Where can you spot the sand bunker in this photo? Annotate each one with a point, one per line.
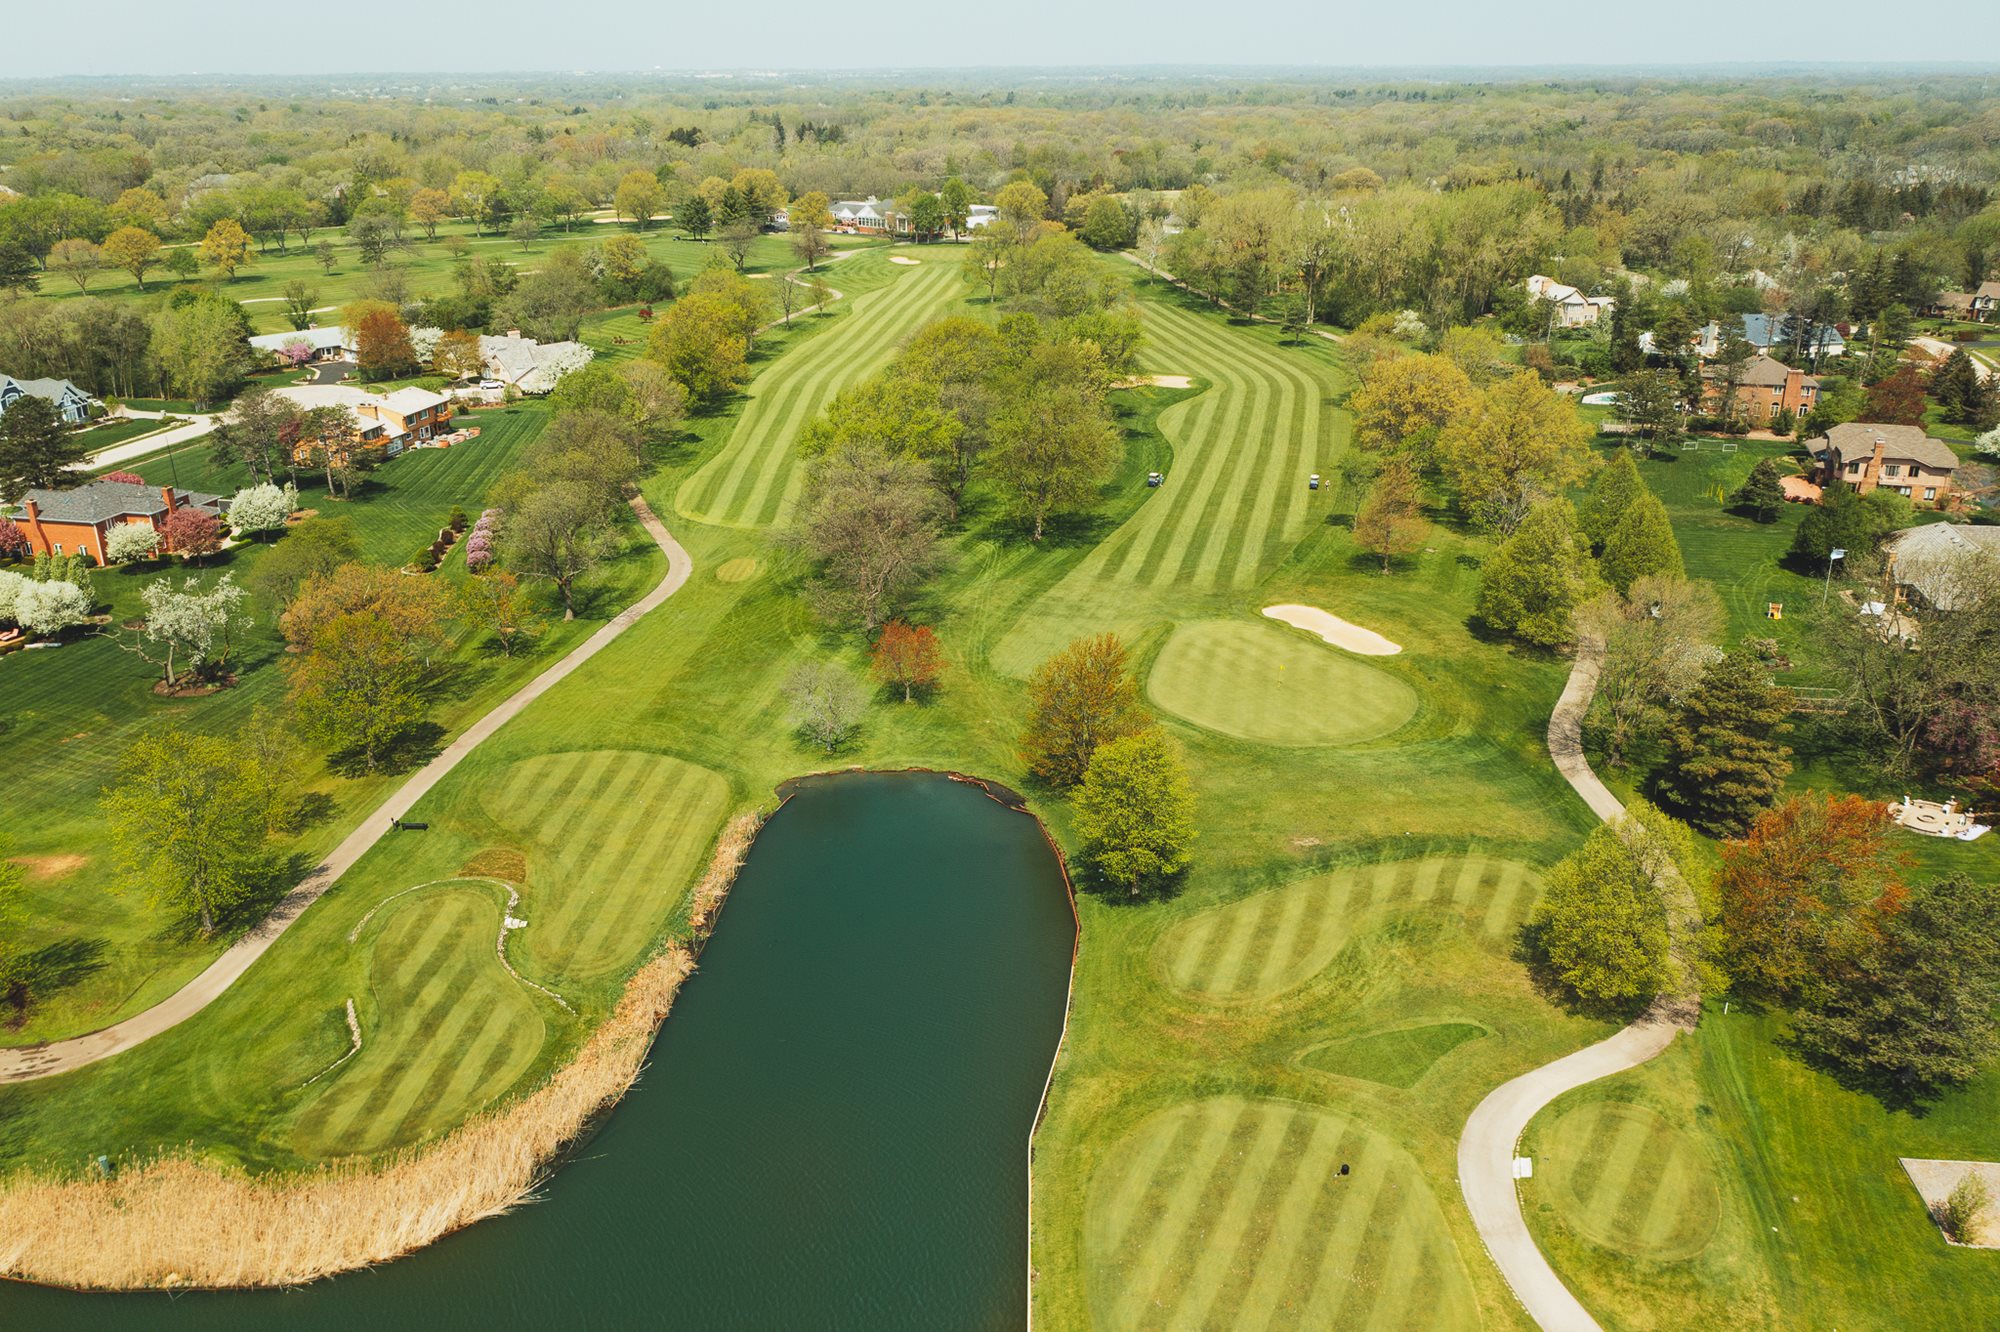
(903, 259)
(1155, 381)
(1335, 630)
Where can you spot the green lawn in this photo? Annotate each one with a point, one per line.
(118, 431)
(110, 952)
(260, 284)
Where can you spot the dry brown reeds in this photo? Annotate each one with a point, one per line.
(181, 1222)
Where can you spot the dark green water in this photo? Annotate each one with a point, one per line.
(833, 1129)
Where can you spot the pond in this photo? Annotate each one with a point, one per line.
(833, 1126)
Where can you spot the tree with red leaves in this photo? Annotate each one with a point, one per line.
(382, 345)
(1806, 892)
(129, 478)
(13, 541)
(907, 655)
(192, 533)
(1898, 400)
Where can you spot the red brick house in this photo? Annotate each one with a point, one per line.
(1766, 388)
(1898, 457)
(63, 522)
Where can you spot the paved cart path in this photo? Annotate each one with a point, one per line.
(41, 1061)
(1487, 1146)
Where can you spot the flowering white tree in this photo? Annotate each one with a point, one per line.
(262, 508)
(132, 541)
(10, 590)
(192, 626)
(424, 342)
(51, 607)
(1989, 443)
(572, 358)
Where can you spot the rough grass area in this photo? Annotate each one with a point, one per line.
(1231, 1212)
(756, 478)
(1256, 682)
(1397, 1058)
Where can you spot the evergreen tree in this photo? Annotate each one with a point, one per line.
(18, 274)
(1610, 495)
(1641, 544)
(1532, 586)
(1761, 496)
(1916, 1016)
(36, 449)
(1723, 758)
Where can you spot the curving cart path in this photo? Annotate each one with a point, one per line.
(42, 1061)
(1486, 1148)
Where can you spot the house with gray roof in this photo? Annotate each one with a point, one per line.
(325, 344)
(78, 520)
(1901, 458)
(1936, 564)
(71, 402)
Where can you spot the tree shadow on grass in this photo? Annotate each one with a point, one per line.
(51, 970)
(1152, 891)
(405, 753)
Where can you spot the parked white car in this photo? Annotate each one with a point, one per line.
(491, 385)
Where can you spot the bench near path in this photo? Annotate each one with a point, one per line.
(1487, 1146)
(42, 1061)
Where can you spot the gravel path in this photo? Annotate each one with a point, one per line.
(42, 1061)
(1486, 1148)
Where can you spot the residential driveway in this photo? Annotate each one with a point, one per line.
(196, 427)
(333, 372)
(1487, 1146)
(42, 1061)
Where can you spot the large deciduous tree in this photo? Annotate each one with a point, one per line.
(1601, 926)
(871, 524)
(226, 247)
(1081, 698)
(1659, 638)
(1405, 402)
(133, 249)
(1533, 585)
(906, 657)
(1806, 891)
(826, 703)
(358, 687)
(186, 824)
(1520, 444)
(1135, 810)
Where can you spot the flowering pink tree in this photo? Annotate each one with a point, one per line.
(129, 478)
(295, 353)
(192, 533)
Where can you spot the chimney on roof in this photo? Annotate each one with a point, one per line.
(514, 333)
(1875, 463)
(167, 494)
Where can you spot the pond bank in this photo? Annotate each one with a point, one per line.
(180, 1223)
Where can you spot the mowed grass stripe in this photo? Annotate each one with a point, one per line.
(1271, 941)
(649, 826)
(1209, 1264)
(754, 479)
(1204, 1230)
(1332, 1141)
(1303, 1140)
(1172, 1202)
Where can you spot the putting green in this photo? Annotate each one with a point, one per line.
(739, 570)
(1259, 682)
(1624, 1178)
(1396, 1058)
(444, 1028)
(614, 838)
(1271, 941)
(1231, 1212)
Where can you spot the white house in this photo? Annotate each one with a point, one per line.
(979, 215)
(1573, 309)
(531, 367)
(870, 214)
(326, 344)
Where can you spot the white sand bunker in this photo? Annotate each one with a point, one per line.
(903, 259)
(1155, 381)
(1335, 630)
